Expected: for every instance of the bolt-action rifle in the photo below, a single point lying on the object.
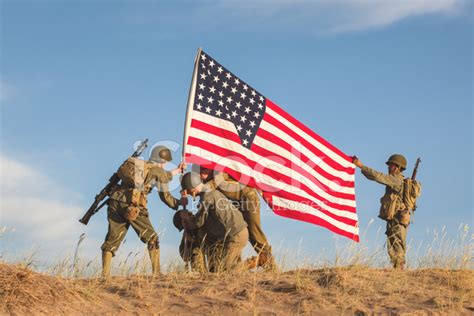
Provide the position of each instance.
(415, 170)
(107, 190)
(413, 177)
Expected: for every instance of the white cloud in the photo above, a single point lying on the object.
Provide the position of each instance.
(37, 208)
(38, 215)
(335, 15)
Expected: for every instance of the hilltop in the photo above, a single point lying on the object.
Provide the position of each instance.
(347, 291)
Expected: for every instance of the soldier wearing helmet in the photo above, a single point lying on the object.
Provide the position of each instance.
(222, 223)
(392, 207)
(127, 205)
(248, 202)
(191, 248)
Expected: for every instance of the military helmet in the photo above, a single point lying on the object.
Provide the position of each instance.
(190, 180)
(398, 160)
(177, 221)
(160, 154)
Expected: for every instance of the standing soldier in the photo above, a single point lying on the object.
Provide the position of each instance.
(249, 204)
(127, 205)
(392, 209)
(222, 223)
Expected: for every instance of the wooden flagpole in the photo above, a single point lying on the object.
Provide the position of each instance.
(190, 107)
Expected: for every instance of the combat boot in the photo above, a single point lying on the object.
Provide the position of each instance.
(251, 263)
(155, 261)
(267, 262)
(106, 262)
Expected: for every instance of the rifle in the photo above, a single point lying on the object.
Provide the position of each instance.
(413, 178)
(415, 170)
(107, 190)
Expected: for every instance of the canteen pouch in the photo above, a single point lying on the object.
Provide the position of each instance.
(131, 213)
(404, 217)
(388, 205)
(136, 197)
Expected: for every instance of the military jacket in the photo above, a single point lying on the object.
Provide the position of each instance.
(391, 202)
(218, 216)
(155, 176)
(231, 188)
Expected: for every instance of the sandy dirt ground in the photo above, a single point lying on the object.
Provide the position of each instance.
(334, 291)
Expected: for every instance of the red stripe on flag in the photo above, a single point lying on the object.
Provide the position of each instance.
(317, 152)
(227, 153)
(228, 135)
(284, 212)
(266, 188)
(300, 125)
(278, 159)
(276, 140)
(273, 156)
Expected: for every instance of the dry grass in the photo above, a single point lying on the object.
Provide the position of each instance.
(439, 281)
(351, 290)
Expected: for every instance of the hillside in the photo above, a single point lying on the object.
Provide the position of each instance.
(347, 291)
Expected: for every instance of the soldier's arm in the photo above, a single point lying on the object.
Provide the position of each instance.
(199, 219)
(389, 180)
(166, 197)
(156, 174)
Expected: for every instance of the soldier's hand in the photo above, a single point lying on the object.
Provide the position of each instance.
(188, 237)
(182, 166)
(183, 201)
(356, 161)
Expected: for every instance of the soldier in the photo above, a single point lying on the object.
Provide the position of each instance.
(392, 208)
(249, 204)
(219, 219)
(191, 248)
(127, 205)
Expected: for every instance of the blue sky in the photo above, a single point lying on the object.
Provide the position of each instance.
(81, 81)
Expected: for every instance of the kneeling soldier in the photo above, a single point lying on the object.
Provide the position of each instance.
(127, 205)
(249, 204)
(221, 222)
(191, 248)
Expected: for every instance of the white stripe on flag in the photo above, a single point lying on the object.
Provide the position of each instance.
(260, 177)
(334, 156)
(307, 209)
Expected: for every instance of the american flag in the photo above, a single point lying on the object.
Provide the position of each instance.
(232, 127)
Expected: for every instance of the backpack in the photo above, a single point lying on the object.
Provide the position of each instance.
(133, 172)
(411, 192)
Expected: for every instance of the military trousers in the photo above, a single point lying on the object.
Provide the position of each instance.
(118, 227)
(250, 207)
(192, 253)
(396, 242)
(225, 255)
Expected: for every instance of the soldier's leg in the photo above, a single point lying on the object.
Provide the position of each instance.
(396, 243)
(257, 238)
(213, 251)
(233, 247)
(184, 251)
(147, 234)
(197, 260)
(117, 230)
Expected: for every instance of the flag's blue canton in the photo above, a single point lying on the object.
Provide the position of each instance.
(221, 94)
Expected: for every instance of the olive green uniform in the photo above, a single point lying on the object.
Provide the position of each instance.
(249, 204)
(224, 227)
(120, 201)
(390, 210)
(191, 250)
